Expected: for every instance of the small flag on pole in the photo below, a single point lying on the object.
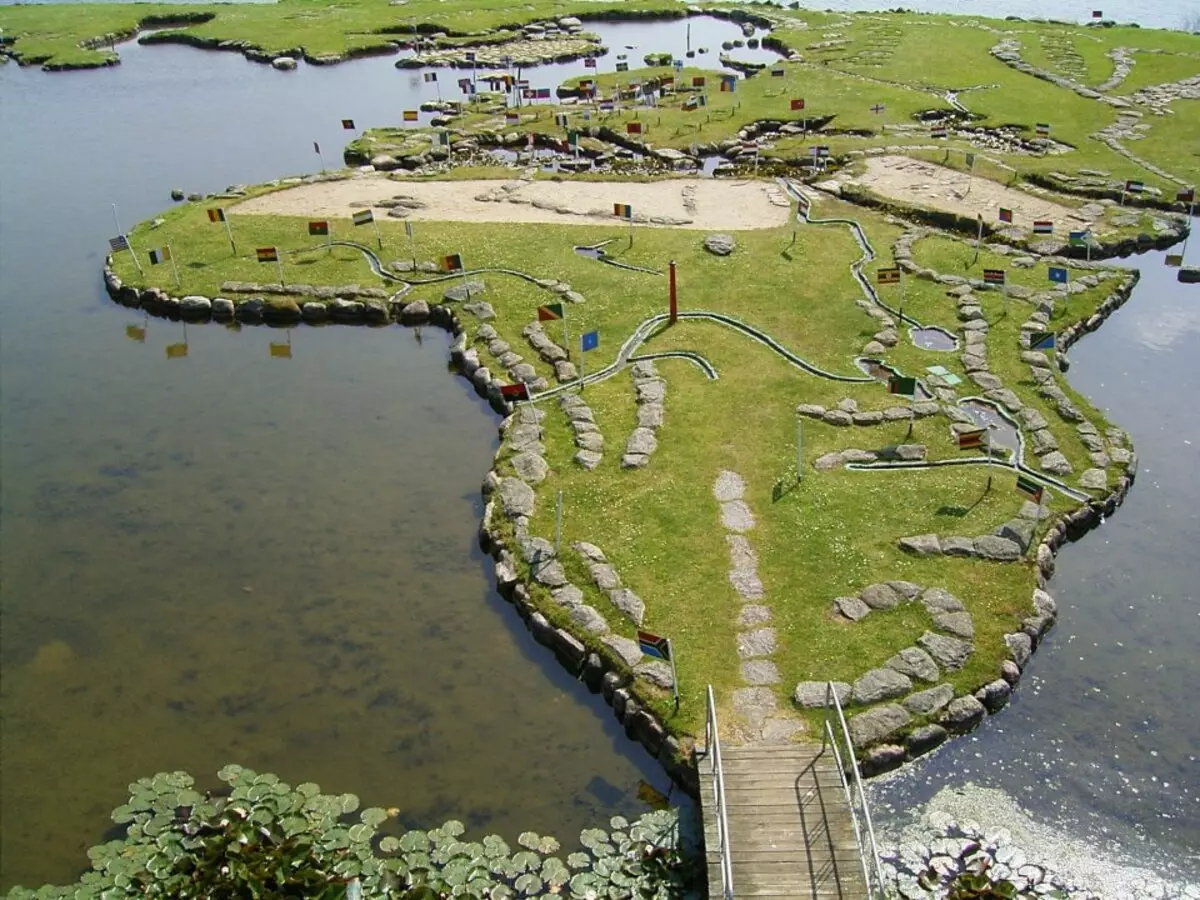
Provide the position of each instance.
(729, 83)
(777, 73)
(698, 81)
(1134, 187)
(993, 276)
(316, 148)
(622, 67)
(939, 131)
(159, 256)
(550, 312)
(633, 127)
(216, 215)
(1006, 215)
(1042, 129)
(590, 62)
(797, 104)
(1043, 226)
(120, 242)
(898, 384)
(363, 217)
(1030, 487)
(318, 229)
(1097, 14)
(280, 351)
(1174, 260)
(573, 139)
(878, 108)
(512, 118)
(543, 93)
(430, 77)
(176, 351)
(969, 440)
(452, 263)
(411, 115)
(444, 138)
(267, 254)
(1188, 196)
(514, 392)
(888, 276)
(654, 646)
(560, 119)
(348, 124)
(1078, 238)
(623, 210)
(1041, 340)
(1058, 275)
(470, 56)
(589, 340)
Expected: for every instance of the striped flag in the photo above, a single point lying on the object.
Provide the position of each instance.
(430, 77)
(512, 118)
(729, 83)
(216, 215)
(1029, 487)
(514, 392)
(1174, 260)
(1134, 187)
(1043, 226)
(1006, 215)
(606, 106)
(120, 242)
(363, 216)
(939, 132)
(797, 104)
(633, 127)
(777, 73)
(411, 115)
(550, 312)
(159, 256)
(969, 440)
(1078, 238)
(888, 276)
(1042, 129)
(1041, 340)
(623, 210)
(452, 263)
(821, 150)
(560, 119)
(543, 93)
(348, 124)
(318, 229)
(1058, 275)
(993, 276)
(1097, 14)
(1188, 196)
(267, 254)
(906, 387)
(590, 62)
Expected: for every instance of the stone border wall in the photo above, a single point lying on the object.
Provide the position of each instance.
(602, 674)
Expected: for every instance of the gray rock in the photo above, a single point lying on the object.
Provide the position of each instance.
(530, 467)
(915, 663)
(720, 244)
(1032, 419)
(1094, 479)
(1043, 442)
(1020, 648)
(641, 442)
(956, 545)
(589, 459)
(480, 310)
(565, 371)
(567, 595)
(996, 548)
(949, 653)
(590, 440)
(958, 624)
(812, 694)
(759, 642)
(629, 603)
(588, 619)
(627, 651)
(994, 695)
(880, 684)
(963, 714)
(810, 409)
(940, 600)
(880, 596)
(652, 391)
(656, 672)
(589, 551)
(1056, 464)
(753, 614)
(1044, 604)
(905, 589)
(604, 576)
(517, 497)
(870, 417)
(921, 545)
(986, 380)
(923, 739)
(634, 460)
(650, 415)
(550, 574)
(927, 702)
(852, 608)
(1019, 530)
(729, 486)
(194, 304)
(876, 724)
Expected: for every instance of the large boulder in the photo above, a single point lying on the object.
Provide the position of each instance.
(517, 497)
(927, 702)
(881, 684)
(948, 652)
(719, 244)
(876, 724)
(915, 663)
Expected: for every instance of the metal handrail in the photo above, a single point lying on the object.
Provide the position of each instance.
(872, 872)
(712, 744)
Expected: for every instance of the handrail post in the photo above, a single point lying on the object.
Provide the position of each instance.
(712, 745)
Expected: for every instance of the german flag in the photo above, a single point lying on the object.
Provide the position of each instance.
(514, 392)
(363, 216)
(797, 104)
(939, 132)
(411, 115)
(888, 276)
(216, 215)
(1042, 129)
(316, 229)
(1030, 487)
(1134, 187)
(267, 254)
(452, 263)
(969, 440)
(550, 312)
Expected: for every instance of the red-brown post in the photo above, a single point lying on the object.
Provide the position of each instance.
(674, 304)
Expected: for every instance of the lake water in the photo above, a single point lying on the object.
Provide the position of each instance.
(233, 557)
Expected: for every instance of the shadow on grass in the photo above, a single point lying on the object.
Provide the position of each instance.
(783, 486)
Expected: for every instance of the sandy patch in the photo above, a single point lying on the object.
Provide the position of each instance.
(924, 184)
(682, 203)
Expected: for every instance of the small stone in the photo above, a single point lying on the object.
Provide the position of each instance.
(957, 545)
(921, 545)
(949, 653)
(905, 589)
(719, 244)
(530, 467)
(879, 596)
(589, 551)
(963, 714)
(994, 695)
(656, 672)
(852, 608)
(940, 600)
(812, 694)
(920, 741)
(627, 651)
(958, 624)
(1094, 479)
(1056, 464)
(516, 497)
(588, 619)
(629, 603)
(876, 724)
(927, 702)
(915, 663)
(1020, 647)
(880, 684)
(589, 459)
(994, 547)
(1019, 530)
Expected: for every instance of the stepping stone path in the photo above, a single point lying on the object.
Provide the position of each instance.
(513, 363)
(651, 393)
(755, 704)
(588, 438)
(550, 352)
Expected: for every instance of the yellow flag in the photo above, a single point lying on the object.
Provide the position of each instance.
(281, 351)
(136, 333)
(175, 351)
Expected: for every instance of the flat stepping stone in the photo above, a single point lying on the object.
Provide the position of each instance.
(759, 642)
(588, 618)
(852, 608)
(589, 459)
(729, 486)
(589, 551)
(753, 614)
(747, 584)
(656, 672)
(629, 603)
(736, 516)
(530, 467)
(881, 684)
(760, 671)
(754, 705)
(604, 576)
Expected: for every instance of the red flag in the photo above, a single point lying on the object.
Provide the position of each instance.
(633, 128)
(797, 104)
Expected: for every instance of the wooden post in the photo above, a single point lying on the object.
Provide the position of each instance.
(674, 300)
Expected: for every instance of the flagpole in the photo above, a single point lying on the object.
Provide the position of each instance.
(174, 267)
(320, 156)
(558, 516)
(978, 240)
(988, 449)
(229, 232)
(671, 653)
(279, 266)
(412, 243)
(567, 339)
(375, 225)
(799, 449)
(116, 221)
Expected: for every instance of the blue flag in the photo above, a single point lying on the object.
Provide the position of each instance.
(1058, 275)
(589, 340)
